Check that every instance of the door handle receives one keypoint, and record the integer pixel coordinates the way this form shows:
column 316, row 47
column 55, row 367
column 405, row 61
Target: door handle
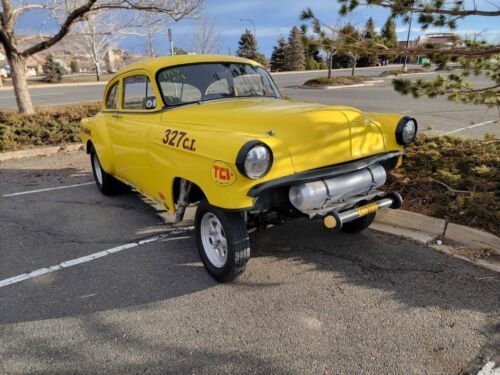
column 116, row 115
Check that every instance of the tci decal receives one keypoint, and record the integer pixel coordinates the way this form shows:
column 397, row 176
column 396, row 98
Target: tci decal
column 178, row 139
column 86, row 131
column 223, row 174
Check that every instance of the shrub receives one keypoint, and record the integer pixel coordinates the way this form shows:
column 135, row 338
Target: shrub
column 49, row 126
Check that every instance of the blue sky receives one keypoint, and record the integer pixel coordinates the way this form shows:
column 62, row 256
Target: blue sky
column 273, row 18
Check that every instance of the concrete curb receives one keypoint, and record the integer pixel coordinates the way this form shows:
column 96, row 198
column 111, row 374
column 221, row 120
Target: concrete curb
column 432, row 231
column 336, row 87
column 40, row 151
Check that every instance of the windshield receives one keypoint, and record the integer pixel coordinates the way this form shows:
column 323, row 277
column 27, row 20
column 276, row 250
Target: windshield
column 209, row 81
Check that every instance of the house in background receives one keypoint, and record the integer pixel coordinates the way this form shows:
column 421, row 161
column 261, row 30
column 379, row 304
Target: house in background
column 449, row 40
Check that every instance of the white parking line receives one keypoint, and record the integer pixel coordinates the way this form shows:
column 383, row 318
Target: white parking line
column 47, row 189
column 91, row 257
column 469, row 127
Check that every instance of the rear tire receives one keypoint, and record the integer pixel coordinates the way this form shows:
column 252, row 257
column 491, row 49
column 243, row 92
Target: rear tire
column 107, row 184
column 222, row 241
column 359, row 225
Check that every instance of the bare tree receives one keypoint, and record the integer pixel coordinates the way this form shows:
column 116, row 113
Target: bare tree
column 67, row 13
column 147, row 26
column 205, row 38
column 98, row 33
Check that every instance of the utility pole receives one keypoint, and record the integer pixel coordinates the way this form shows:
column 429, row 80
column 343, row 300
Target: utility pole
column 171, row 40
column 405, row 68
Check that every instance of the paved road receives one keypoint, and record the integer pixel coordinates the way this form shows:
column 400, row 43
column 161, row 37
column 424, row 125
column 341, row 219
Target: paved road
column 436, row 116
column 310, row 301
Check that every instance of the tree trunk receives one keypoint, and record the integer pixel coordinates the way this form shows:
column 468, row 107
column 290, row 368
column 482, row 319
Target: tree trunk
column 330, row 61
column 97, row 72
column 353, row 66
column 18, row 73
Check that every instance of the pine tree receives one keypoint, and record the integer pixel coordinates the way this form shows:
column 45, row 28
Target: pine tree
column 370, row 38
column 278, row 57
column 295, row 56
column 369, row 32
column 73, row 65
column 53, row 70
column 247, row 46
column 350, row 38
column 388, row 33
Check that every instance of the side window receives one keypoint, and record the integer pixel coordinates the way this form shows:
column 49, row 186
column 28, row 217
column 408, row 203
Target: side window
column 112, row 98
column 138, row 93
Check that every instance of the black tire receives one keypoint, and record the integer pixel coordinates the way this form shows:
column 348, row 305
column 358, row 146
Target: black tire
column 359, row 225
column 236, row 235
column 108, row 185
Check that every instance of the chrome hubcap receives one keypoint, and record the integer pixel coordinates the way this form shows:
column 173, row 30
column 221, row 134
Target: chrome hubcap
column 213, row 239
column 97, row 169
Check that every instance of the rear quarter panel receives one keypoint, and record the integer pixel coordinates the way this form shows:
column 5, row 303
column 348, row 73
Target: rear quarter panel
column 93, row 130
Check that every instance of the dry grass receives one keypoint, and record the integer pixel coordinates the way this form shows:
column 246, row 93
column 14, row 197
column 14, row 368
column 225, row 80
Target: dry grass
column 399, row 72
column 453, row 178
column 335, row 81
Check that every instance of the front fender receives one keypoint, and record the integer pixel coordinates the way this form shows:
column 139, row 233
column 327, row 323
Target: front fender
column 387, row 124
column 211, row 162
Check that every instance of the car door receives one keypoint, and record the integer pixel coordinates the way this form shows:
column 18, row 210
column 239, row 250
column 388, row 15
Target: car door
column 129, row 128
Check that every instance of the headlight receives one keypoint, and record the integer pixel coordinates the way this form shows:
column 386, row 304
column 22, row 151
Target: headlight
column 406, row 131
column 254, row 160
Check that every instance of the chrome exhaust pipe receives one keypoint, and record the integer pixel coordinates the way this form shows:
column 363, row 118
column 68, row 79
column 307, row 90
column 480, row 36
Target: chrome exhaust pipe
column 335, row 220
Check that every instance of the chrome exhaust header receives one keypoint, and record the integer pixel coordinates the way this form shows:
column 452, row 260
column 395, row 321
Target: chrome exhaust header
column 317, row 194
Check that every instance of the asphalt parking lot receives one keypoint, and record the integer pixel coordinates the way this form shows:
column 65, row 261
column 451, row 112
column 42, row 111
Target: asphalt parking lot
column 309, row 302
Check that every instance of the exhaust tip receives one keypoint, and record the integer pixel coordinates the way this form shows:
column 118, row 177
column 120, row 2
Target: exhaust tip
column 332, row 221
column 396, row 198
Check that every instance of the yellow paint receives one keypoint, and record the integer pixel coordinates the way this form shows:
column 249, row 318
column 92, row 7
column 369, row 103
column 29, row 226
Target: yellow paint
column 367, row 209
column 131, row 146
column 330, row 221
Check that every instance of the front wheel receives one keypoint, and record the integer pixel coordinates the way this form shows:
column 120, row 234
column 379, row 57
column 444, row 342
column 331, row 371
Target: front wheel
column 222, row 241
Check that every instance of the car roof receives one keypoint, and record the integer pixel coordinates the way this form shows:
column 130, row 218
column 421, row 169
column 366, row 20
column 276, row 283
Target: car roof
column 154, row 64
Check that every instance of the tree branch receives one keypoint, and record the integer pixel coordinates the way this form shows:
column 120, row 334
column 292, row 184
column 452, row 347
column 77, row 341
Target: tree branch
column 430, row 10
column 65, row 27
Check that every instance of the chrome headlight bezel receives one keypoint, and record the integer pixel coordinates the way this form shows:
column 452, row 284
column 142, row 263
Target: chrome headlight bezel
column 241, row 159
column 401, row 129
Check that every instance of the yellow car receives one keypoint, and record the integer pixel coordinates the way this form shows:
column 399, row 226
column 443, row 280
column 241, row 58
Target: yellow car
column 214, row 130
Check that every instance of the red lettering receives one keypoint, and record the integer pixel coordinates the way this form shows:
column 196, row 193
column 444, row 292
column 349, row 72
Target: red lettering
column 216, row 171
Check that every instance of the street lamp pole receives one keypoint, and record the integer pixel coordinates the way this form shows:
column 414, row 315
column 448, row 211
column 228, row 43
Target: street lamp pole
column 407, row 43
column 253, row 24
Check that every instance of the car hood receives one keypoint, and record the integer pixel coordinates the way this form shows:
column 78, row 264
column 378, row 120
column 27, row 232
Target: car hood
column 315, row 135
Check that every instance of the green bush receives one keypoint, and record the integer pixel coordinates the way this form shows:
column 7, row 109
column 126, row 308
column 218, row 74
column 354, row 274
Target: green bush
column 49, row 126
column 335, row 81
